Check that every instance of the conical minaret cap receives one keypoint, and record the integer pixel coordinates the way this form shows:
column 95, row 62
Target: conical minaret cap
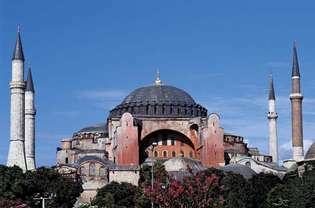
column 29, row 82
column 295, row 63
column 272, row 95
column 18, row 50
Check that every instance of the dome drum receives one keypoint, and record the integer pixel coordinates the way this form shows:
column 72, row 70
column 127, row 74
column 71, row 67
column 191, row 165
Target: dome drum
column 159, row 110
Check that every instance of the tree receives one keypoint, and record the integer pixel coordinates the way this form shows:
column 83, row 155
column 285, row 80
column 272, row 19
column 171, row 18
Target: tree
column 160, row 174
column 202, row 190
column 11, row 182
column 24, row 187
column 261, row 184
column 294, row 192
column 117, row 195
column 11, row 203
column 236, row 191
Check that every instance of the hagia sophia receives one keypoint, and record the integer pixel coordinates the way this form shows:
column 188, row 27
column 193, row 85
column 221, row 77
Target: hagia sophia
column 156, row 122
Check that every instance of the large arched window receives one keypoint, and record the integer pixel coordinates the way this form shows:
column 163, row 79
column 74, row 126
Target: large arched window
column 92, row 171
column 82, row 171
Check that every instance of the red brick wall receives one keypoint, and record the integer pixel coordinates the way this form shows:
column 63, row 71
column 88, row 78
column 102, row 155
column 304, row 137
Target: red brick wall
column 212, row 153
column 127, row 152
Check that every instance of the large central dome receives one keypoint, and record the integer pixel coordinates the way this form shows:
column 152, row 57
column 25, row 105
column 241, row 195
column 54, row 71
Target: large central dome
column 159, row 101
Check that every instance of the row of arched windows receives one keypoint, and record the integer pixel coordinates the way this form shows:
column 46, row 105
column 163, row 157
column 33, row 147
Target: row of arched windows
column 166, row 154
column 92, row 170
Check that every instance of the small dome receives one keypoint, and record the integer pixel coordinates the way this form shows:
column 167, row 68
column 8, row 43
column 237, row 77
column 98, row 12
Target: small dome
column 243, row 170
column 310, row 154
column 95, row 128
column 159, row 101
column 182, row 164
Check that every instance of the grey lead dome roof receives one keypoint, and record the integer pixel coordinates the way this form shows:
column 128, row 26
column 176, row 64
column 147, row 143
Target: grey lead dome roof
column 310, row 154
column 159, row 101
column 159, row 94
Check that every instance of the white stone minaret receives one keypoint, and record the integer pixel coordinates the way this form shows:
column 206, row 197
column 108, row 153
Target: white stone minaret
column 30, row 113
column 272, row 117
column 16, row 154
column 296, row 98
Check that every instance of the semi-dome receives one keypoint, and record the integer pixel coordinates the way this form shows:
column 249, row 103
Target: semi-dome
column 310, row 154
column 159, row 101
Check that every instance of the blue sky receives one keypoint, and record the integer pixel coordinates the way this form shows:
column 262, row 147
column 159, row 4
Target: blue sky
column 87, row 56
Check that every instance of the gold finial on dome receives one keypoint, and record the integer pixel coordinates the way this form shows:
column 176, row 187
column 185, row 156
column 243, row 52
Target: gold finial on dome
column 158, row 81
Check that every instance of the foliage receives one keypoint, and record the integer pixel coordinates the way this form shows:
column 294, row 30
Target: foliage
column 261, row 184
column 11, row 203
column 236, row 191
column 160, row 174
column 294, row 192
column 202, row 190
column 46, row 182
column 118, row 195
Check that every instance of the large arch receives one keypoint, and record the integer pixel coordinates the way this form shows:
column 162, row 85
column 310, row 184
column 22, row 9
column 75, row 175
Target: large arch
column 169, row 141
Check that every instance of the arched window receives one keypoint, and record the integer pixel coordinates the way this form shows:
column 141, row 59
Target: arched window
column 102, row 171
column 82, row 171
column 92, row 171
column 164, row 153
column 191, row 154
column 156, row 154
column 173, row 154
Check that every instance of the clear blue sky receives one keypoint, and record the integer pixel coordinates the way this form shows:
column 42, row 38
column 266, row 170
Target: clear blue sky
column 87, row 55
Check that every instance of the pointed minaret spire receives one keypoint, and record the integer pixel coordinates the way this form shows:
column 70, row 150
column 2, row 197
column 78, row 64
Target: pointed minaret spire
column 296, row 98
column 158, row 81
column 16, row 154
column 295, row 62
column 29, row 81
column 271, row 89
column 272, row 117
column 30, row 113
column 18, row 50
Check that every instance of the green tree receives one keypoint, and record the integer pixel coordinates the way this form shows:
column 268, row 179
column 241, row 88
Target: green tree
column 12, row 182
column 117, row 195
column 19, row 186
column 260, row 185
column 160, row 174
column 236, row 191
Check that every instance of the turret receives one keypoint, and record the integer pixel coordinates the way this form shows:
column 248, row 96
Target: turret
column 30, row 113
column 272, row 117
column 16, row 155
column 296, row 98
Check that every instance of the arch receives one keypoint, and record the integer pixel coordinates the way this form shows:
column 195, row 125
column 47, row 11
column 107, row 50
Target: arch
column 194, row 127
column 176, row 136
column 165, row 154
column 173, row 154
column 156, row 153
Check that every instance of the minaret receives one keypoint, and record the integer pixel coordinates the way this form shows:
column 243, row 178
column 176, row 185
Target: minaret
column 30, row 113
column 296, row 98
column 16, row 154
column 272, row 117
